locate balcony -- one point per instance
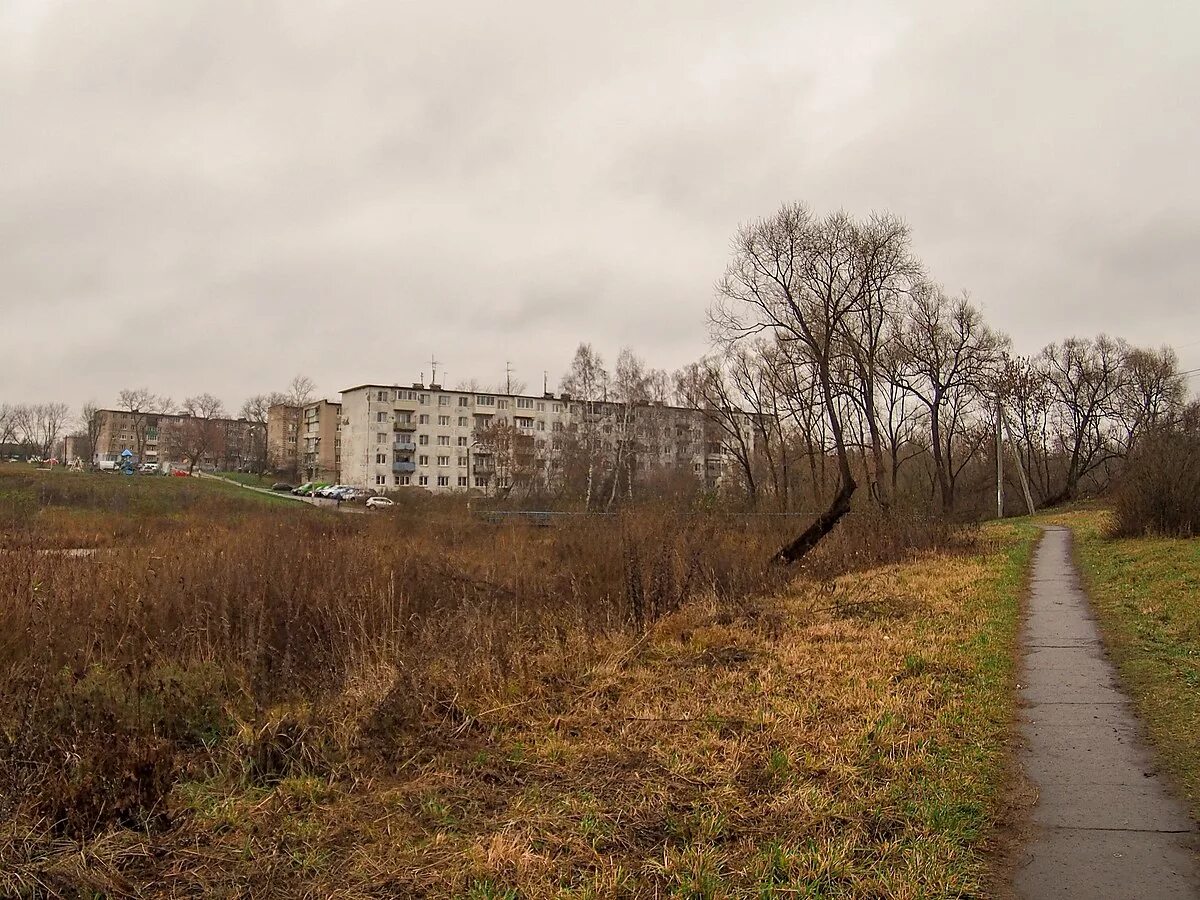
(404, 426)
(404, 447)
(400, 467)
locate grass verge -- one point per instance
(1146, 593)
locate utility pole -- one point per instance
(433, 363)
(507, 377)
(1020, 465)
(999, 458)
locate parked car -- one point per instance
(303, 489)
(282, 486)
(377, 502)
(148, 468)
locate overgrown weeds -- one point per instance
(247, 666)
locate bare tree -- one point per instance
(888, 271)
(805, 280)
(143, 407)
(1153, 393)
(707, 386)
(950, 357)
(8, 423)
(1086, 379)
(89, 426)
(257, 409)
(40, 425)
(198, 435)
(587, 381)
(301, 390)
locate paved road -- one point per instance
(1105, 824)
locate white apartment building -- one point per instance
(451, 440)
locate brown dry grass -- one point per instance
(302, 705)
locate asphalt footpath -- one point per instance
(1105, 824)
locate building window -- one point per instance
(524, 403)
(501, 404)
(443, 420)
(381, 479)
(523, 421)
(423, 460)
(557, 407)
(382, 437)
(443, 481)
(423, 480)
(380, 458)
(383, 397)
(480, 481)
(424, 419)
(541, 426)
(443, 440)
(443, 400)
(462, 480)
(424, 398)
(381, 417)
(443, 461)
(462, 422)
(541, 407)
(556, 426)
(462, 461)
(462, 442)
(485, 400)
(463, 401)
(423, 440)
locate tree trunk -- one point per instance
(824, 524)
(939, 461)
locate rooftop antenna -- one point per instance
(545, 382)
(433, 363)
(507, 377)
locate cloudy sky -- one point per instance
(208, 195)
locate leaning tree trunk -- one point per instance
(828, 520)
(824, 524)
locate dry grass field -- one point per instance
(239, 698)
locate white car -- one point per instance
(374, 502)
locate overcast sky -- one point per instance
(199, 195)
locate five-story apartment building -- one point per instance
(456, 440)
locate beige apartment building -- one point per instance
(283, 439)
(321, 440)
(165, 438)
(450, 440)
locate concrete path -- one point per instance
(1105, 824)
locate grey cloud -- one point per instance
(214, 195)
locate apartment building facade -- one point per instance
(321, 441)
(283, 439)
(168, 438)
(454, 440)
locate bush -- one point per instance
(1159, 491)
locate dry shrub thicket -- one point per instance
(1159, 490)
(267, 643)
